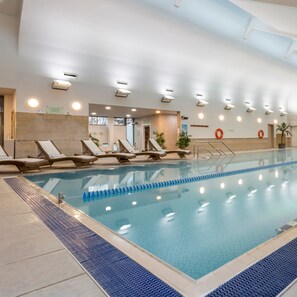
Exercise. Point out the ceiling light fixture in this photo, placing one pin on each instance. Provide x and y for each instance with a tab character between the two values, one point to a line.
107	107
283	113
201	102
133	109
33	102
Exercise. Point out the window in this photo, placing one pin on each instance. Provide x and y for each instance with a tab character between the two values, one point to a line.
119	121
101	121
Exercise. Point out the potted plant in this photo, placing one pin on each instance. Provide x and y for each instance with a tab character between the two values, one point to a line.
95	139
183	140
284	129
160	139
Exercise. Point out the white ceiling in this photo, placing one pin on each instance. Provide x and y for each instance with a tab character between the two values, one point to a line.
153	45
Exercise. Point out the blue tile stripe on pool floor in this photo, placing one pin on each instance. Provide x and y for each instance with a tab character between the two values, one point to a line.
114	271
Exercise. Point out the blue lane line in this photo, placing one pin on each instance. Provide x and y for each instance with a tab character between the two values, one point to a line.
88	196
114	271
268	277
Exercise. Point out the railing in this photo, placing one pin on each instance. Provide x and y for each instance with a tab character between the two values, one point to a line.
211	148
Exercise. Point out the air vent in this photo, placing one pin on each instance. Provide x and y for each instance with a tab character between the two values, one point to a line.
69	74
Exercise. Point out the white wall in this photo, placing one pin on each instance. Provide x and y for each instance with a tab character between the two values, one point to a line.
217	73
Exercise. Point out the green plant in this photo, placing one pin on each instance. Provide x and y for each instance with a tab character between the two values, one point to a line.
96	140
183	140
160	139
284	129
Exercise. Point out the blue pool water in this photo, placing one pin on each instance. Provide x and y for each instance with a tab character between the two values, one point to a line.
195	227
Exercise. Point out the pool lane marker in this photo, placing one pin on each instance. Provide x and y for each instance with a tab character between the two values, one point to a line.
113	270
102	194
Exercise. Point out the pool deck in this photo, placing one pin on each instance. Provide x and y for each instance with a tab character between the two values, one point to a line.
35	263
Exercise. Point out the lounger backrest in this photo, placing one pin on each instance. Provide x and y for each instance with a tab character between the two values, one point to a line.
92	147
3	154
50	149
155	145
128	147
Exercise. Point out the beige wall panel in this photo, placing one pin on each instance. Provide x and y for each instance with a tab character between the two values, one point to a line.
65	131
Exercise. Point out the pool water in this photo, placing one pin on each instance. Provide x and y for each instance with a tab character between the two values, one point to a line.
195	227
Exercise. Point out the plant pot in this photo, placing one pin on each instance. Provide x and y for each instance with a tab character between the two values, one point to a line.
281	145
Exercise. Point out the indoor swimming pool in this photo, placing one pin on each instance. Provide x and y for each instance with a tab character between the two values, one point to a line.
220	210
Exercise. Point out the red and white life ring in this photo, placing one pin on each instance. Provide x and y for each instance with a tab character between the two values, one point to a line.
219	133
261	134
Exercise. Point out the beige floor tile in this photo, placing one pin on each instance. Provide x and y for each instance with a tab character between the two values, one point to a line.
32	274
81	286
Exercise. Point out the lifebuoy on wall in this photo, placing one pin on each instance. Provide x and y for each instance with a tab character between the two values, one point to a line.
261	134
219	133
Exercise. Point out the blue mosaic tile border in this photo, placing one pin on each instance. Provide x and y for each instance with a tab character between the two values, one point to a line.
114	271
87	196
268	277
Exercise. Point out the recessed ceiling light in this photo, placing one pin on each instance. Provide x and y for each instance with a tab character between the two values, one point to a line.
93	113
158	111
239	119
107	107
221	117
133	109
259	120
128	115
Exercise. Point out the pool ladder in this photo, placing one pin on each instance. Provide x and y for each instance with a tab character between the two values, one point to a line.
211	148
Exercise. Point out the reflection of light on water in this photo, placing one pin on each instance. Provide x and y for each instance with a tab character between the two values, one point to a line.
134	203
123	225
269	186
222	185
252	191
240	181
202	190
108	208
260	176
230	195
276	174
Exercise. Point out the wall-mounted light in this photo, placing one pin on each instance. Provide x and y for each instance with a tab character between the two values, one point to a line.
275	122
122	91
268	112
59	84
33	102
283	113
93	113
250	109
201	102
259	120
221	117
239	119
201	116
76	105
107	107
229	106
167	99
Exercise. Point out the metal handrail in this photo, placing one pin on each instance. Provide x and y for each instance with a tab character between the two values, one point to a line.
210	143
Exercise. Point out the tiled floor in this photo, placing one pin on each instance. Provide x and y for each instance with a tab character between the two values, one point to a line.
34	263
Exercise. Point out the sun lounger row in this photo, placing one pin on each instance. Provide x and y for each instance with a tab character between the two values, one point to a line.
49	154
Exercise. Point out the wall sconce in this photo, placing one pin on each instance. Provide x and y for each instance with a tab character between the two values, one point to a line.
201	102
63	85
250	109
268	112
283	113
229	106
76	105
167	99
32	102
121	91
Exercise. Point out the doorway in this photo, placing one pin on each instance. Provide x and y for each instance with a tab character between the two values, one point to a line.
147	134
271	135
